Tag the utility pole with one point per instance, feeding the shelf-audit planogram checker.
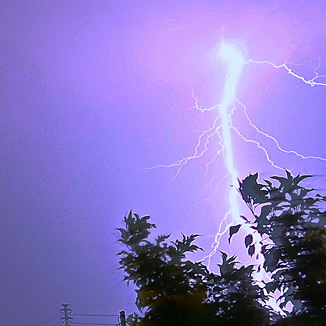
(123, 318)
(66, 319)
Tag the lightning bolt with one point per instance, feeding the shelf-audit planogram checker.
(234, 64)
(311, 82)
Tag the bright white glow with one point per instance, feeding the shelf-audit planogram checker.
(234, 64)
(222, 126)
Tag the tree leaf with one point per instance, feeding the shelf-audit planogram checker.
(233, 230)
(251, 190)
(251, 250)
(248, 240)
(245, 219)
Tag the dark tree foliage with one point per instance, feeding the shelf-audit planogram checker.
(236, 299)
(172, 290)
(291, 220)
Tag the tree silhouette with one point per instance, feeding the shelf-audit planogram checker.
(291, 220)
(173, 290)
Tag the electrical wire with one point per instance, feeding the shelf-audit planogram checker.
(94, 315)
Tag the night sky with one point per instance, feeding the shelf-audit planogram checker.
(93, 93)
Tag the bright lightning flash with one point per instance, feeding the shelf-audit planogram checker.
(234, 63)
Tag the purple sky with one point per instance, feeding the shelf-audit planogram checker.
(94, 92)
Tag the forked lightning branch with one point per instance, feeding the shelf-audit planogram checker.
(234, 63)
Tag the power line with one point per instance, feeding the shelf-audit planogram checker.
(94, 324)
(103, 304)
(95, 315)
(68, 321)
